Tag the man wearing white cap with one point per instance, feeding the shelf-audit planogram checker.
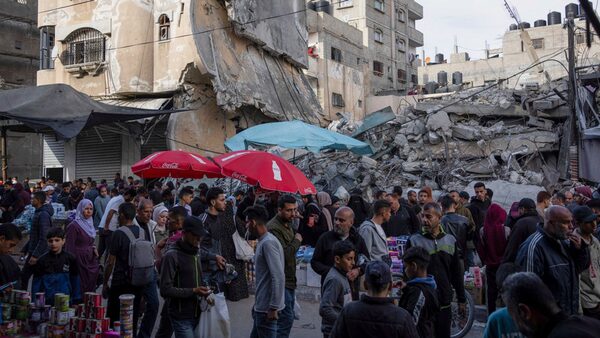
(50, 197)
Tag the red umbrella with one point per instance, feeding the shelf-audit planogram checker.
(176, 164)
(271, 172)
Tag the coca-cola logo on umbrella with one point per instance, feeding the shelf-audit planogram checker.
(170, 166)
(239, 176)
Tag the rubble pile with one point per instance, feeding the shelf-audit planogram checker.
(448, 141)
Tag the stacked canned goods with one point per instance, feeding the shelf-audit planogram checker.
(89, 319)
(126, 318)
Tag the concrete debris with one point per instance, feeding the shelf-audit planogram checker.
(493, 135)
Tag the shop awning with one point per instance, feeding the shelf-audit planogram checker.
(64, 110)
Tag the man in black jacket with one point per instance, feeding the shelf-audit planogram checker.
(38, 245)
(558, 256)
(445, 265)
(404, 221)
(456, 225)
(181, 279)
(375, 315)
(525, 225)
(343, 230)
(478, 206)
(10, 236)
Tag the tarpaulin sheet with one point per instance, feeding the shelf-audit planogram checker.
(64, 110)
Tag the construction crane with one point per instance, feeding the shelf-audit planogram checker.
(526, 39)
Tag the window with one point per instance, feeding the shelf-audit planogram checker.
(345, 3)
(84, 45)
(538, 43)
(402, 75)
(164, 25)
(400, 44)
(358, 61)
(18, 44)
(377, 68)
(414, 79)
(401, 15)
(337, 100)
(336, 54)
(46, 45)
(378, 35)
(379, 5)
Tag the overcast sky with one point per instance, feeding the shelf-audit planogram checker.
(475, 21)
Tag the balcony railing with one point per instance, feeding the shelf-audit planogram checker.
(415, 37)
(415, 10)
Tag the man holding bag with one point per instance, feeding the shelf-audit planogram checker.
(181, 279)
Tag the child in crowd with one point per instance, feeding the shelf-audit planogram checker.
(10, 236)
(56, 271)
(419, 297)
(336, 288)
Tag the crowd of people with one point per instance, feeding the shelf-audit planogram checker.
(541, 258)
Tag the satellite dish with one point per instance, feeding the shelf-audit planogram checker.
(427, 60)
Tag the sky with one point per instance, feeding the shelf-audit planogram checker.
(475, 21)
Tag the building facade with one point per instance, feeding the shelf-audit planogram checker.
(229, 64)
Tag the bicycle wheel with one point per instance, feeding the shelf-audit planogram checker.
(462, 325)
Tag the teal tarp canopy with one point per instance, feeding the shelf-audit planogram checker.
(296, 135)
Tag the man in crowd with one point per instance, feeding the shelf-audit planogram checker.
(536, 313)
(478, 206)
(40, 224)
(462, 210)
(558, 199)
(185, 199)
(403, 221)
(199, 204)
(323, 257)
(524, 227)
(589, 280)
(558, 256)
(543, 202)
(109, 222)
(445, 266)
(143, 219)
(380, 195)
(281, 227)
(595, 206)
(93, 192)
(270, 276)
(10, 272)
(210, 250)
(373, 234)
(375, 315)
(100, 204)
(568, 198)
(181, 280)
(50, 195)
(456, 225)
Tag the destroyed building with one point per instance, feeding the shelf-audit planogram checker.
(447, 141)
(231, 63)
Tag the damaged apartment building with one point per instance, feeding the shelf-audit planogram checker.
(229, 64)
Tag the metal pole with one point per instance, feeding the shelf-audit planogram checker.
(4, 155)
(571, 53)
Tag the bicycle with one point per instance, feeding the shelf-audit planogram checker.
(460, 325)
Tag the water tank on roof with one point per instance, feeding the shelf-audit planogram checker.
(439, 58)
(430, 87)
(571, 11)
(442, 78)
(554, 18)
(513, 27)
(457, 78)
(524, 25)
(312, 5)
(539, 23)
(323, 6)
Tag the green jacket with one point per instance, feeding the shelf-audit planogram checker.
(285, 234)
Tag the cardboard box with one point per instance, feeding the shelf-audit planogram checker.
(301, 274)
(313, 279)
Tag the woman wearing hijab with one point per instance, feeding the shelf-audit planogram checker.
(491, 247)
(160, 216)
(79, 241)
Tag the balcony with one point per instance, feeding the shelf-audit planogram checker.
(415, 10)
(415, 38)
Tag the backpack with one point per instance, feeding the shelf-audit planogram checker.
(141, 258)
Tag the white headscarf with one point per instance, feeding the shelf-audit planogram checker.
(87, 224)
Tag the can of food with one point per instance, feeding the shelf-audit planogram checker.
(40, 299)
(46, 313)
(92, 299)
(21, 297)
(36, 314)
(80, 311)
(21, 312)
(52, 315)
(42, 330)
(62, 317)
(99, 312)
(117, 326)
(61, 302)
(80, 324)
(71, 312)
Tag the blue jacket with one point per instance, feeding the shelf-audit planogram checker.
(558, 264)
(54, 274)
(40, 224)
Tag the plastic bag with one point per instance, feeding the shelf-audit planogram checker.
(297, 309)
(215, 322)
(243, 250)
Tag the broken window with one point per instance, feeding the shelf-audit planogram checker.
(164, 25)
(378, 5)
(84, 45)
(337, 100)
(401, 75)
(46, 45)
(377, 68)
(538, 43)
(378, 35)
(336, 54)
